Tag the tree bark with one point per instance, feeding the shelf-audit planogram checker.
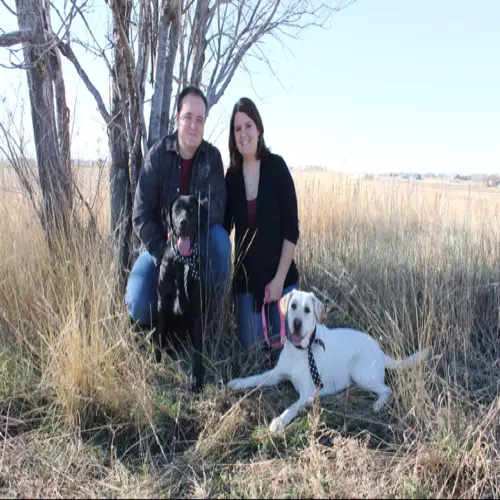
(165, 59)
(173, 44)
(156, 100)
(198, 43)
(120, 192)
(56, 199)
(62, 111)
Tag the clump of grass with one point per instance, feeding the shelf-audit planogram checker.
(414, 265)
(51, 464)
(63, 318)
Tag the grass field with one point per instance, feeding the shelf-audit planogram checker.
(85, 413)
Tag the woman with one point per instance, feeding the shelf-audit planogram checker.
(262, 206)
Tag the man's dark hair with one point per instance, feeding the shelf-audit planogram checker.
(191, 89)
(247, 106)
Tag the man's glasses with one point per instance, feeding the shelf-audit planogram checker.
(190, 120)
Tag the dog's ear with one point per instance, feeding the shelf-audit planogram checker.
(319, 309)
(166, 215)
(283, 303)
(202, 215)
(165, 218)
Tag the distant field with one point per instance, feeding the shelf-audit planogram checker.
(85, 412)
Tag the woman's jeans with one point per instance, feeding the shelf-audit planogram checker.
(250, 329)
(141, 297)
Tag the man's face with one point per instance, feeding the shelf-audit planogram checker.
(191, 123)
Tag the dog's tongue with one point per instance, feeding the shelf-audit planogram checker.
(184, 246)
(296, 338)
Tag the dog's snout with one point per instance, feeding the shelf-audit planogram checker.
(183, 223)
(297, 323)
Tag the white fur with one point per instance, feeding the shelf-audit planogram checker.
(350, 356)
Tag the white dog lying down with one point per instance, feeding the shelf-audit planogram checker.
(339, 357)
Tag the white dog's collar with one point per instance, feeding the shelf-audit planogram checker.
(313, 369)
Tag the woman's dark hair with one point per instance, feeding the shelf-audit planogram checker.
(247, 106)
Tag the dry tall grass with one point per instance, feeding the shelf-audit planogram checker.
(84, 412)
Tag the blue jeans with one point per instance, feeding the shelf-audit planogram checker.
(250, 330)
(141, 296)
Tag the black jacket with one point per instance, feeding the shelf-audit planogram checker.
(257, 260)
(159, 182)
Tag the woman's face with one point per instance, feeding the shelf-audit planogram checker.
(246, 135)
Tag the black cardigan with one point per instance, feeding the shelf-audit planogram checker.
(256, 262)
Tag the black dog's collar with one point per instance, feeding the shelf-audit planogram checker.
(191, 261)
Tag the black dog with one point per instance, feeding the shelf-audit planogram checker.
(179, 283)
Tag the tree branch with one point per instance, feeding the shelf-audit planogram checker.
(15, 37)
(100, 51)
(8, 8)
(67, 52)
(237, 35)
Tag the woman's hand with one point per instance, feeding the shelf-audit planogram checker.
(275, 288)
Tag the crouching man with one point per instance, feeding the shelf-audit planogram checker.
(182, 163)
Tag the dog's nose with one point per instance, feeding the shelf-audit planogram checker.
(297, 323)
(183, 223)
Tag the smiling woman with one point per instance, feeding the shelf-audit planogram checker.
(262, 206)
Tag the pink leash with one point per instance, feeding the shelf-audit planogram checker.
(274, 345)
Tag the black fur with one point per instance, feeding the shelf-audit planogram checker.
(180, 287)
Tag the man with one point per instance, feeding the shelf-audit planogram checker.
(179, 164)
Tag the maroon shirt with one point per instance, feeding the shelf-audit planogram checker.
(186, 168)
(252, 214)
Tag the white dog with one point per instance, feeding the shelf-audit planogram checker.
(316, 358)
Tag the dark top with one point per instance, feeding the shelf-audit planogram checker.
(257, 259)
(252, 214)
(186, 168)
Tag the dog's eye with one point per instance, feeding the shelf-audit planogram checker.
(294, 306)
(307, 310)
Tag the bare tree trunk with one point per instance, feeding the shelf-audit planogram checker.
(173, 44)
(30, 17)
(62, 111)
(156, 100)
(119, 144)
(120, 199)
(198, 43)
(142, 70)
(165, 59)
(63, 129)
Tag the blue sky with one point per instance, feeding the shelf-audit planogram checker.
(391, 85)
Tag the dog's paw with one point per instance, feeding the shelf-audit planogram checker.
(157, 354)
(277, 425)
(235, 384)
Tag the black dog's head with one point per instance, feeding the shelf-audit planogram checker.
(184, 218)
